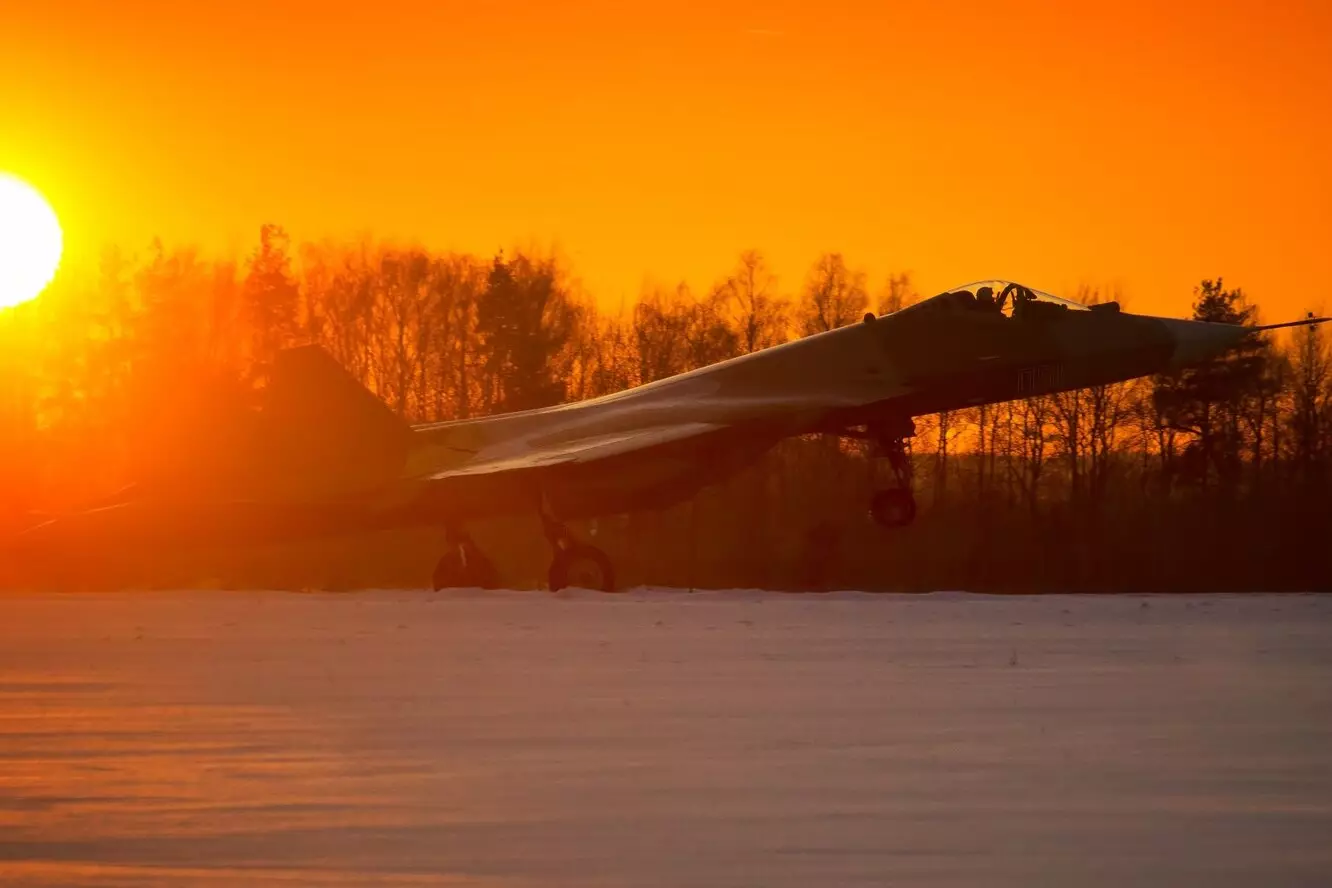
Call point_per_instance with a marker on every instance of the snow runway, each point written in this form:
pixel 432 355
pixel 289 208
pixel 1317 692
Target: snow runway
pixel 663 738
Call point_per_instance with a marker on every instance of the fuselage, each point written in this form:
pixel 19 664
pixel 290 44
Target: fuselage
pixel 352 469
pixel 933 357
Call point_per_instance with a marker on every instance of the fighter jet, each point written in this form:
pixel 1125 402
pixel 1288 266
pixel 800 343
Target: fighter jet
pixel 324 456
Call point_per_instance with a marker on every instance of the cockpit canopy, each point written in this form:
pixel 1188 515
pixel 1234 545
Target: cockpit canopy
pixel 1001 297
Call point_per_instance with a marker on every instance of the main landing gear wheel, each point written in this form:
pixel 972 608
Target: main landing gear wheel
pixel 581 566
pixel 895 507
pixel 575 564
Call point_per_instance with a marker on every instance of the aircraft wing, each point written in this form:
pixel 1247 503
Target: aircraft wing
pixel 579 470
pixel 582 450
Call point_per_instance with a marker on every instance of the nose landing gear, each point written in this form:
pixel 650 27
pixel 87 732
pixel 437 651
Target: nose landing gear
pixel 894 506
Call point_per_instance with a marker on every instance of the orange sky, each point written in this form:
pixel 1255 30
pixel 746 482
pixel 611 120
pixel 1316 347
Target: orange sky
pixel 1149 144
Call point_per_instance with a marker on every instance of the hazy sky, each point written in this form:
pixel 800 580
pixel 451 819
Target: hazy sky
pixel 1148 144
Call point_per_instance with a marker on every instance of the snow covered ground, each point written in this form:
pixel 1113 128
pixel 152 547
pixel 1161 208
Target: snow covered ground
pixel 664 739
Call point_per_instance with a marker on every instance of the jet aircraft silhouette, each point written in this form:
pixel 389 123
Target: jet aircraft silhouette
pixel 326 457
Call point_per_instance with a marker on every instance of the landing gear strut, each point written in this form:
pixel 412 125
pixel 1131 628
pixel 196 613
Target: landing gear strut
pixel 575 564
pixel 894 506
pixel 463 565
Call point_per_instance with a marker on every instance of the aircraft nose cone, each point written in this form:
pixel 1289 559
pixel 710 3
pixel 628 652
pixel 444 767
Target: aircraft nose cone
pixel 1198 341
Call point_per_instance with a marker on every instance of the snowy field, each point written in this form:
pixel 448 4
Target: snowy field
pixel 664 739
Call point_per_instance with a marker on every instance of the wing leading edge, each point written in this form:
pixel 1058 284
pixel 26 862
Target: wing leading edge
pixel 579 451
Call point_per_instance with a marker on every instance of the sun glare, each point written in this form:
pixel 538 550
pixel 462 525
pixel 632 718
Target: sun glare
pixel 30 242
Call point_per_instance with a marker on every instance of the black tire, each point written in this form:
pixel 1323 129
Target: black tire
pixel 582 566
pixel 893 508
pixel 464 567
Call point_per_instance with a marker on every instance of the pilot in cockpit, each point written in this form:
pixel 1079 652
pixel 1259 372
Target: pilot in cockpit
pixel 963 299
pixel 985 300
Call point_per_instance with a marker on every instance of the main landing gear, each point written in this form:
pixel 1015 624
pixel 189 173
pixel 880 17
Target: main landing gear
pixel 575 564
pixel 893 506
pixel 463 565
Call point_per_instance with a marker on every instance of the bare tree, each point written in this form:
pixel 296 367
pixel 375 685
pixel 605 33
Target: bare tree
pixel 897 293
pixel 1311 408
pixel 1087 425
pixel 749 301
pixel 659 328
pixel 833 297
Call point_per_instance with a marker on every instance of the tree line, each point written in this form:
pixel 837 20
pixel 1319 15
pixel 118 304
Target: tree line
pixel 1214 477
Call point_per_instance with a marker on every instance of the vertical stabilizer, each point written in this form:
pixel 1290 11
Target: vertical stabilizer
pixel 324 432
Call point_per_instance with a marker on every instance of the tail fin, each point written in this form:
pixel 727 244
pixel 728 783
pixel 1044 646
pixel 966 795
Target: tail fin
pixel 325 427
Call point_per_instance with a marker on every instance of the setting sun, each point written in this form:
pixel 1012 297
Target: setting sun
pixel 30 242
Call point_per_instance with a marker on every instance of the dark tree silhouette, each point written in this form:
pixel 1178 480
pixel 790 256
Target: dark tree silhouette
pixel 524 318
pixel 1206 403
pixel 270 294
